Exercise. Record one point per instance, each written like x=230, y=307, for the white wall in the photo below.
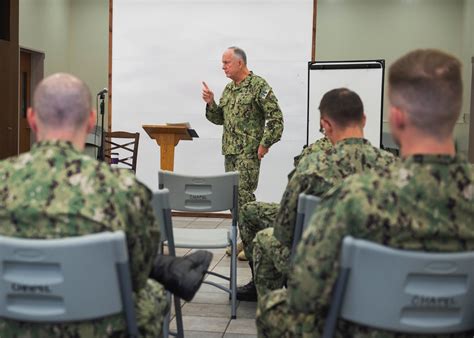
x=374, y=29
x=162, y=50
x=88, y=42
x=44, y=26
x=73, y=34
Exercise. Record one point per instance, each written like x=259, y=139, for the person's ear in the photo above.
x=91, y=121
x=326, y=125
x=31, y=117
x=364, y=120
x=397, y=118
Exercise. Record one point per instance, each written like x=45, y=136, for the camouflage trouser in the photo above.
x=275, y=319
x=273, y=316
x=248, y=168
x=271, y=262
x=255, y=216
x=151, y=309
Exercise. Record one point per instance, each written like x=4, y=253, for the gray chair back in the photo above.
x=403, y=291
x=65, y=280
x=197, y=194
x=306, y=206
x=162, y=210
x=201, y=193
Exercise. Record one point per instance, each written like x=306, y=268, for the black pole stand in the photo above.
x=101, y=153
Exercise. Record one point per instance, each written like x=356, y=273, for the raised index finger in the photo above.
x=205, y=85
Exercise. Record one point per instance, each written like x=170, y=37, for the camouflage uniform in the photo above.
x=55, y=191
x=251, y=117
x=315, y=175
x=256, y=216
x=426, y=203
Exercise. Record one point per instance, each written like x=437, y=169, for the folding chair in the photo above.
x=70, y=279
x=204, y=194
x=403, y=291
x=125, y=146
x=306, y=206
x=161, y=207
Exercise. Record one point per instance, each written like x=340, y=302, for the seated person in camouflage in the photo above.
x=256, y=216
x=424, y=203
x=343, y=120
x=57, y=191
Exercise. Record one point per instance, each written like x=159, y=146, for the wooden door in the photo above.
x=9, y=78
x=25, y=101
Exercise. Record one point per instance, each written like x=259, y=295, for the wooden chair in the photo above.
x=125, y=145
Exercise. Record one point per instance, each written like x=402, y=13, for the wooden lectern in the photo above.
x=167, y=137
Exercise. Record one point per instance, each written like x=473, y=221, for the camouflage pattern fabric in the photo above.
x=250, y=115
x=322, y=144
x=271, y=262
x=55, y=191
x=426, y=204
x=249, y=169
x=256, y=216
x=315, y=175
x=320, y=171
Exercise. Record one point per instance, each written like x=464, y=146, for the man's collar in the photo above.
x=245, y=82
x=351, y=140
x=54, y=143
x=433, y=159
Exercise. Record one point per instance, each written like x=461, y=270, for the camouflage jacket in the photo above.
x=56, y=191
x=322, y=144
x=318, y=172
x=250, y=115
x=424, y=203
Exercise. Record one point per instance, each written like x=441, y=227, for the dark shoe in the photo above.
x=182, y=276
x=247, y=293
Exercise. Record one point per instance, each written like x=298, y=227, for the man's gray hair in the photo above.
x=62, y=101
x=239, y=52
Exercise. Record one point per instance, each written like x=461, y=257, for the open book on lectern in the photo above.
x=191, y=131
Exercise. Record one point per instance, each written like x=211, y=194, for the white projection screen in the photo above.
x=366, y=78
x=163, y=50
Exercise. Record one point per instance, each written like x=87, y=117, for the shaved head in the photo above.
x=62, y=101
x=427, y=84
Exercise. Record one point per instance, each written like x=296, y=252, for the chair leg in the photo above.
x=179, y=317
x=166, y=320
x=233, y=274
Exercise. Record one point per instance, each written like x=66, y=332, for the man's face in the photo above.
x=230, y=64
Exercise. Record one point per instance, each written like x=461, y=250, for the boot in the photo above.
x=240, y=248
x=248, y=292
x=182, y=276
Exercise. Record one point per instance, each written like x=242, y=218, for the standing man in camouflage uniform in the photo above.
x=248, y=109
x=343, y=119
x=256, y=216
x=426, y=203
x=56, y=191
